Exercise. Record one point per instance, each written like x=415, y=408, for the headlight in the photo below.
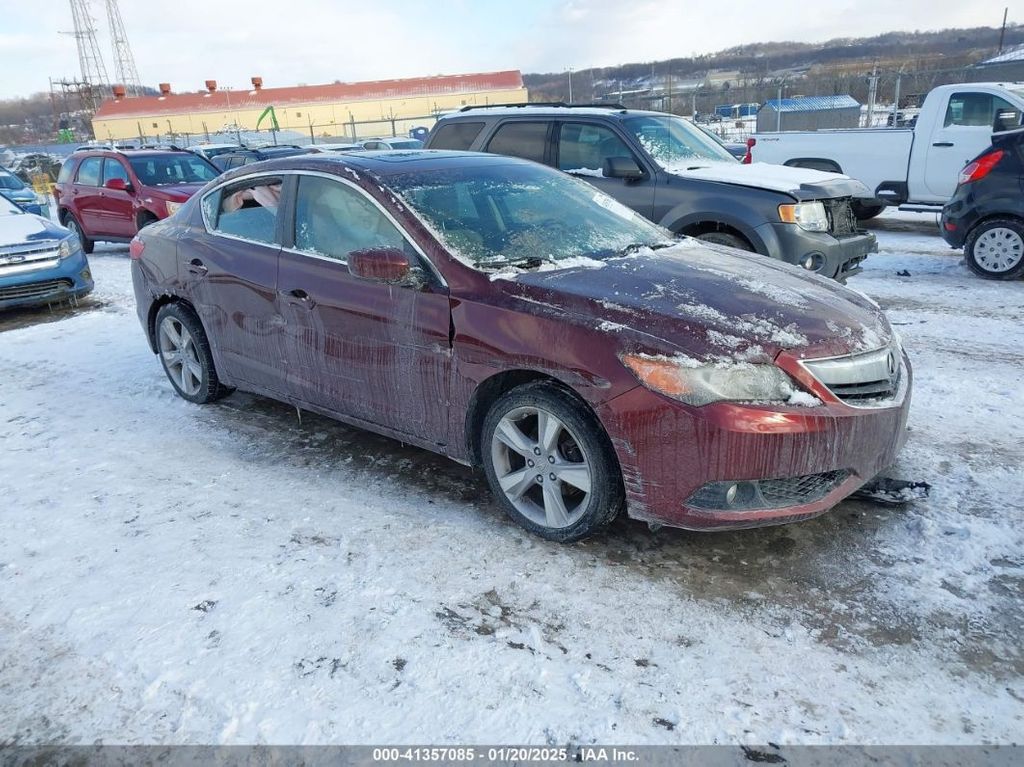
x=698, y=384
x=68, y=246
x=172, y=207
x=809, y=216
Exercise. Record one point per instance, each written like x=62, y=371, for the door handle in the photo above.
x=195, y=266
x=298, y=296
x=943, y=143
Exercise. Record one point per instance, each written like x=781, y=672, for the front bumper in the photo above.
x=64, y=280
x=669, y=452
x=839, y=256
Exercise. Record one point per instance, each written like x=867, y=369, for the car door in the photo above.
x=371, y=350
x=87, y=202
x=581, y=151
x=964, y=132
x=117, y=206
x=229, y=269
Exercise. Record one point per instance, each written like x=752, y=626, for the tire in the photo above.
x=72, y=223
x=184, y=353
x=586, y=493
x=995, y=249
x=724, y=238
x=865, y=211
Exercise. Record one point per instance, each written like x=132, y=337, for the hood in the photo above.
x=20, y=195
x=711, y=303
x=25, y=228
x=183, y=191
x=801, y=183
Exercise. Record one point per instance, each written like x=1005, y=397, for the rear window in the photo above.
x=520, y=139
x=459, y=136
x=89, y=171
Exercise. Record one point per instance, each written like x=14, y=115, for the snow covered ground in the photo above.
x=180, y=574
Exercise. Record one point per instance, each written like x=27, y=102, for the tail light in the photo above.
x=135, y=249
x=747, y=158
x=981, y=167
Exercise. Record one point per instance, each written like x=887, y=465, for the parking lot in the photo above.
x=223, y=574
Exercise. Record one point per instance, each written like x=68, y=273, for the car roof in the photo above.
x=532, y=110
x=381, y=163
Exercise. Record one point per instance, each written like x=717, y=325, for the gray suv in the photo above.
x=671, y=172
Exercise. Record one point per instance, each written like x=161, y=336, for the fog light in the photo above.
x=812, y=262
x=730, y=494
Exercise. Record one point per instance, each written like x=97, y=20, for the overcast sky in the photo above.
x=288, y=42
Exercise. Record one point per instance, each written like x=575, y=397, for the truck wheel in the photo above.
x=865, y=211
x=724, y=238
x=550, y=464
x=995, y=249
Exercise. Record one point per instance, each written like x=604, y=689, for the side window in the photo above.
x=973, y=109
x=114, y=169
x=65, y=171
x=247, y=209
x=89, y=171
x=332, y=220
x=520, y=139
x=458, y=135
x=583, y=148
x=1006, y=117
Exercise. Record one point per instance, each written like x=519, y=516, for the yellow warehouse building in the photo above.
x=352, y=110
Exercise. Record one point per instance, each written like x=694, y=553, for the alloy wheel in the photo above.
x=541, y=467
x=998, y=250
x=180, y=357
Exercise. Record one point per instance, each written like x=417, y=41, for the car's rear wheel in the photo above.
x=727, y=239
x=550, y=464
x=76, y=229
x=995, y=249
x=184, y=352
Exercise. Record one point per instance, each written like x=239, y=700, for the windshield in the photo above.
x=675, y=144
x=10, y=181
x=159, y=170
x=497, y=215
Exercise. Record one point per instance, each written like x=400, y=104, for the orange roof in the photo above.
x=222, y=101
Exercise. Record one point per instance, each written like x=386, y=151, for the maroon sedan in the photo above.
x=506, y=315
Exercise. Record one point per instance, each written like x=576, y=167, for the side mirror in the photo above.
x=118, y=185
x=622, y=167
x=1007, y=119
x=388, y=265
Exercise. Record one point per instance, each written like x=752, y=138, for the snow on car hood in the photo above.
x=801, y=183
x=24, y=228
x=713, y=303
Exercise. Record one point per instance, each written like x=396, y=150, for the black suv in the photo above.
x=240, y=157
x=985, y=216
x=666, y=169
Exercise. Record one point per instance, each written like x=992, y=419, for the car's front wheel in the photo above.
x=727, y=239
x=184, y=352
x=76, y=229
x=550, y=464
x=995, y=249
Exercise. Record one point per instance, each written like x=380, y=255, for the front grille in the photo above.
x=841, y=219
x=796, y=490
x=861, y=380
x=34, y=290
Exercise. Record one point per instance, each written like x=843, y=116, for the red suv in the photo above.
x=110, y=195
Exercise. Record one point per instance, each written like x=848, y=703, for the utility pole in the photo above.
x=872, y=92
x=896, y=99
x=778, y=112
x=570, y=85
x=1002, y=31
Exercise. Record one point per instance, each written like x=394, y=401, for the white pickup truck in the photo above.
x=915, y=168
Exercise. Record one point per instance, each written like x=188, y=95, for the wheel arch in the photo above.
x=989, y=218
x=154, y=308
x=488, y=392
x=815, y=163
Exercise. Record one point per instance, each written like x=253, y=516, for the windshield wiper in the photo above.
x=641, y=245
x=530, y=262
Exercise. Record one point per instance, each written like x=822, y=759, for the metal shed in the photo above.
x=809, y=113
